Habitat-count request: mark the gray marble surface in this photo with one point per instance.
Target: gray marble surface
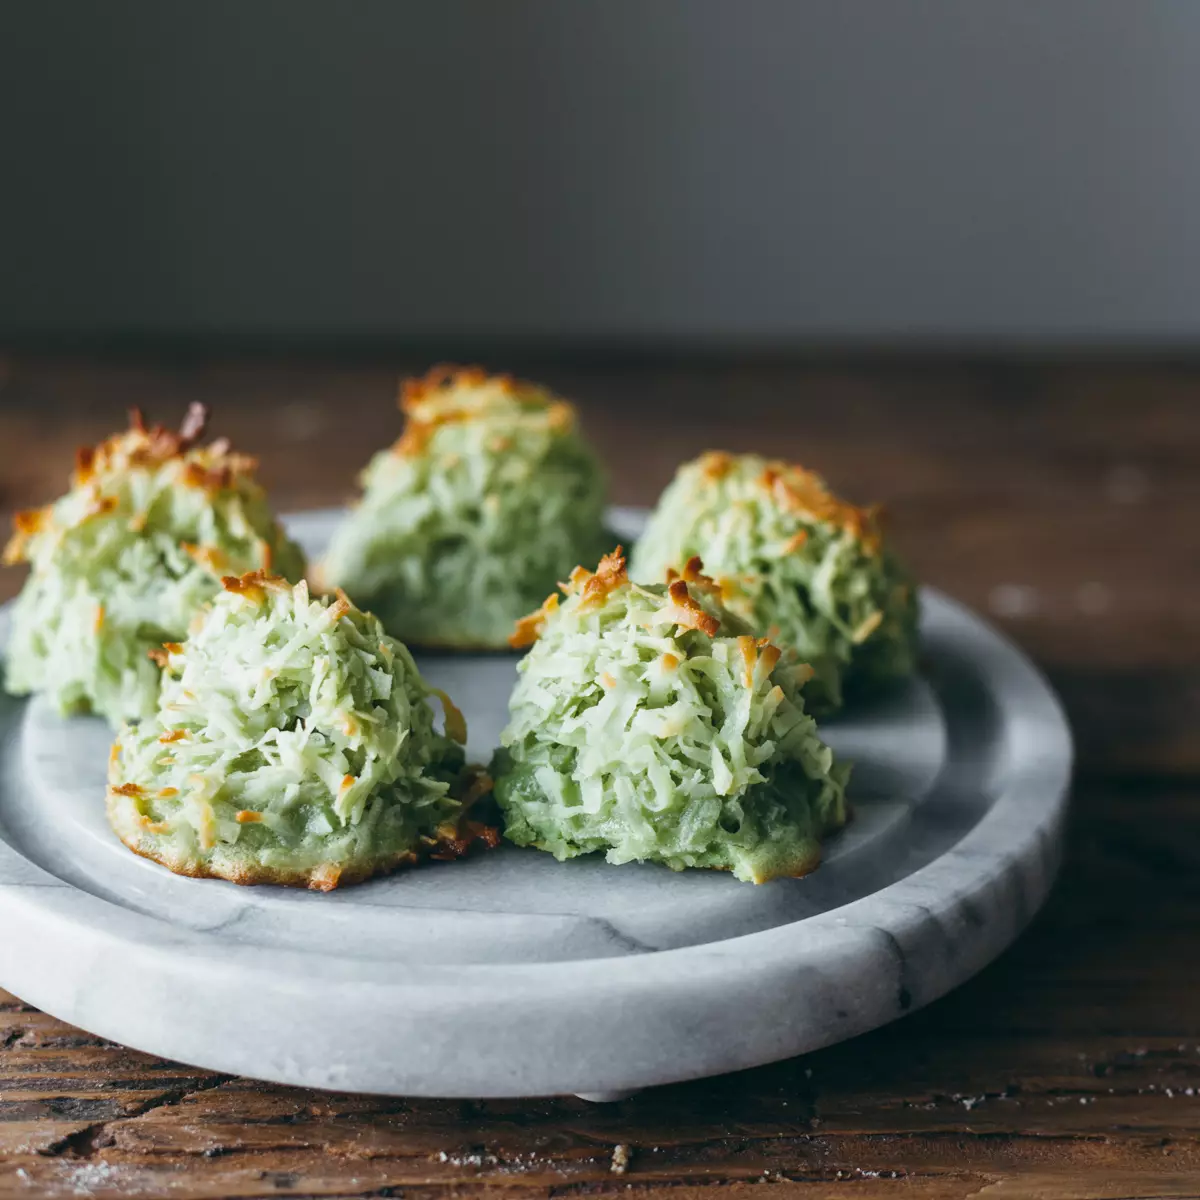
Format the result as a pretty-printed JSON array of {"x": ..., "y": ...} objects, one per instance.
[{"x": 511, "y": 974}]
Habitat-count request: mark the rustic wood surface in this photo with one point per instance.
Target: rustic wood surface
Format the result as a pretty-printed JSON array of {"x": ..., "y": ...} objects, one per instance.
[{"x": 1061, "y": 498}]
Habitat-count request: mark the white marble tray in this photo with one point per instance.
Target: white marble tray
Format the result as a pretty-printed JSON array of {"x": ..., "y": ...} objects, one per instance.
[{"x": 509, "y": 974}]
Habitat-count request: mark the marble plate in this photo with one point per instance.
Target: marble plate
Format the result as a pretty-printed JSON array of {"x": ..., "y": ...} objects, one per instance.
[{"x": 509, "y": 974}]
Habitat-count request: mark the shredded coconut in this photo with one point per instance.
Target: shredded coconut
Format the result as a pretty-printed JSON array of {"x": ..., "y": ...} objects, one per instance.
[
  {"x": 635, "y": 730},
  {"x": 488, "y": 500},
  {"x": 800, "y": 565}
]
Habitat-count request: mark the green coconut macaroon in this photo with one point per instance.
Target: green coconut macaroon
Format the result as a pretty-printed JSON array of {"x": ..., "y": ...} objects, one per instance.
[
  {"x": 488, "y": 499},
  {"x": 800, "y": 565},
  {"x": 648, "y": 722},
  {"x": 123, "y": 561},
  {"x": 294, "y": 743}
]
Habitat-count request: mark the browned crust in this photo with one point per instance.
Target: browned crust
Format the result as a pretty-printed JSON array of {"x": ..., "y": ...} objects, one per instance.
[
  {"x": 428, "y": 403},
  {"x": 796, "y": 489},
  {"x": 753, "y": 651},
  {"x": 213, "y": 468},
  {"x": 797, "y": 870},
  {"x": 324, "y": 877}
]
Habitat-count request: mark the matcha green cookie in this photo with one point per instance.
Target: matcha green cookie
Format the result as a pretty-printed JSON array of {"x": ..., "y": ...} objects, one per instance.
[
  {"x": 122, "y": 562},
  {"x": 488, "y": 499},
  {"x": 294, "y": 743},
  {"x": 648, "y": 722},
  {"x": 801, "y": 566}
]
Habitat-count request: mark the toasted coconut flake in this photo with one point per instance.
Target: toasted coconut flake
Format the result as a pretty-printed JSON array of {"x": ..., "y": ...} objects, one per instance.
[
  {"x": 693, "y": 572},
  {"x": 254, "y": 585},
  {"x": 749, "y": 653},
  {"x": 606, "y": 680},
  {"x": 176, "y": 735},
  {"x": 715, "y": 464},
  {"x": 560, "y": 416},
  {"x": 578, "y": 577},
  {"x": 685, "y": 610},
  {"x": 158, "y": 656},
  {"x": 769, "y": 655},
  {"x": 797, "y": 490},
  {"x": 85, "y": 458},
  {"x": 213, "y": 467},
  {"x": 247, "y": 816},
  {"x": 325, "y": 877},
  {"x": 341, "y": 607},
  {"x": 209, "y": 557},
  {"x": 31, "y": 520},
  {"x": 439, "y": 378},
  {"x": 528, "y": 629},
  {"x": 14, "y": 550},
  {"x": 132, "y": 790},
  {"x": 610, "y": 574},
  {"x": 449, "y": 395},
  {"x": 868, "y": 627},
  {"x": 102, "y": 507}
]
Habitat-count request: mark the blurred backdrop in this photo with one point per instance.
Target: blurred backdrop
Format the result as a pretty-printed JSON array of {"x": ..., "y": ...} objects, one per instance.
[{"x": 692, "y": 172}]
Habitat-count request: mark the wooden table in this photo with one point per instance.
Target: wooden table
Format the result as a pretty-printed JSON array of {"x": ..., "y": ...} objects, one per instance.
[{"x": 1061, "y": 497}]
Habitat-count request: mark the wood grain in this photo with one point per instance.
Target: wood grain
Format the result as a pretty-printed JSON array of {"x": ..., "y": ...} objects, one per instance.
[{"x": 1063, "y": 498}]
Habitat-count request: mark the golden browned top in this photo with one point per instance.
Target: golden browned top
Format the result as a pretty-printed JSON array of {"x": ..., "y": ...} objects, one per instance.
[
  {"x": 211, "y": 468},
  {"x": 594, "y": 587},
  {"x": 591, "y": 586},
  {"x": 448, "y": 395},
  {"x": 795, "y": 489}
]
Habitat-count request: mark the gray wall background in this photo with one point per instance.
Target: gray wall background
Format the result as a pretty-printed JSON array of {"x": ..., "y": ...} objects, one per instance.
[{"x": 751, "y": 171}]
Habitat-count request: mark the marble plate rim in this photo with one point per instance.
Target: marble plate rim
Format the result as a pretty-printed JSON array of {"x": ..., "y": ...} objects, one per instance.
[{"x": 587, "y": 1026}]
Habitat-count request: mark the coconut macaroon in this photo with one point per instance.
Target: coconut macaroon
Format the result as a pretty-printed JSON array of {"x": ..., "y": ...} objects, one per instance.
[
  {"x": 649, "y": 723},
  {"x": 294, "y": 743},
  {"x": 800, "y": 565},
  {"x": 488, "y": 498},
  {"x": 122, "y": 562}
]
